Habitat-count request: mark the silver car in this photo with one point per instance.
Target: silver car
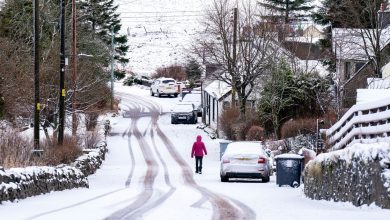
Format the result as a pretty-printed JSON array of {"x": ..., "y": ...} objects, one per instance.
[{"x": 245, "y": 159}]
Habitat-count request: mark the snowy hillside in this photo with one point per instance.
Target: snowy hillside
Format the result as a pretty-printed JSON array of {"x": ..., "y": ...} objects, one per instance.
[{"x": 160, "y": 32}]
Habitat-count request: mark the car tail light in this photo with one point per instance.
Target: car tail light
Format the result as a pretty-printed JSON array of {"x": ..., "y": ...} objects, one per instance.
[
  {"x": 225, "y": 161},
  {"x": 261, "y": 160}
]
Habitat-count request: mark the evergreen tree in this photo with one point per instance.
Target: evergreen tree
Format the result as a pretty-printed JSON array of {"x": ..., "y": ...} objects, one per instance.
[
  {"x": 291, "y": 9},
  {"x": 193, "y": 71},
  {"x": 104, "y": 21},
  {"x": 286, "y": 95}
]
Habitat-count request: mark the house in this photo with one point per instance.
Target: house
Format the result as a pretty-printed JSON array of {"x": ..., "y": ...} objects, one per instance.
[
  {"x": 216, "y": 96},
  {"x": 312, "y": 32},
  {"x": 354, "y": 60}
]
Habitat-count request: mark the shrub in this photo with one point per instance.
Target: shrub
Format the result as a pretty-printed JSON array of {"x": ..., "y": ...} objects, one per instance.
[
  {"x": 15, "y": 151},
  {"x": 119, "y": 74},
  {"x": 176, "y": 72},
  {"x": 64, "y": 154},
  {"x": 297, "y": 127},
  {"x": 242, "y": 127},
  {"x": 228, "y": 118},
  {"x": 235, "y": 128},
  {"x": 131, "y": 80},
  {"x": 255, "y": 133},
  {"x": 91, "y": 139}
]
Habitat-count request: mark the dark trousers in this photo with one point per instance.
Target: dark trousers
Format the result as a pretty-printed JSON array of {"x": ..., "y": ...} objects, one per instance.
[{"x": 198, "y": 163}]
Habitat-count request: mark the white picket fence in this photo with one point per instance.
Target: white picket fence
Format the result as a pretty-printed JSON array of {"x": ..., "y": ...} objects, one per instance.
[{"x": 363, "y": 123}]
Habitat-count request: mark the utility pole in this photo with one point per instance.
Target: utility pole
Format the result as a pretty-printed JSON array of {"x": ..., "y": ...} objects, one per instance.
[
  {"x": 74, "y": 69},
  {"x": 235, "y": 12},
  {"x": 62, "y": 77},
  {"x": 112, "y": 67},
  {"x": 37, "y": 105}
]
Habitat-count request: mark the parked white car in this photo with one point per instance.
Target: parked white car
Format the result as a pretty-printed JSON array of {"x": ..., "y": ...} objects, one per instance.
[
  {"x": 245, "y": 159},
  {"x": 164, "y": 86}
]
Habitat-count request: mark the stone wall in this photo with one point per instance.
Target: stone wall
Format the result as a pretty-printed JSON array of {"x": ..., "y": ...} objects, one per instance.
[
  {"x": 19, "y": 183},
  {"x": 359, "y": 174},
  {"x": 91, "y": 160}
]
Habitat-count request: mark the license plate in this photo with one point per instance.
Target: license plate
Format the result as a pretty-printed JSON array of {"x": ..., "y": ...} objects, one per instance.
[{"x": 181, "y": 117}]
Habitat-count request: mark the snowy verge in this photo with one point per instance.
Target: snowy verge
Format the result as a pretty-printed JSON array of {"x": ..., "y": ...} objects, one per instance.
[
  {"x": 20, "y": 183},
  {"x": 359, "y": 174}
]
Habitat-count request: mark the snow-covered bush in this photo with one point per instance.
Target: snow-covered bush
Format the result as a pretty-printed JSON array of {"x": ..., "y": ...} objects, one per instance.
[{"x": 359, "y": 174}]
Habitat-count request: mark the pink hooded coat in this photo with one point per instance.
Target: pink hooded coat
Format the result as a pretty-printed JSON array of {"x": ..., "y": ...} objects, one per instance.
[{"x": 198, "y": 147}]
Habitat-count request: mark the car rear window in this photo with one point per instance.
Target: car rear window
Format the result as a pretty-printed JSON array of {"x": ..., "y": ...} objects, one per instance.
[
  {"x": 168, "y": 81},
  {"x": 243, "y": 148},
  {"x": 183, "y": 108}
]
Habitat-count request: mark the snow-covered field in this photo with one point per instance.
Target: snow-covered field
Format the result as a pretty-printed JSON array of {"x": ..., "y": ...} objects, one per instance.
[
  {"x": 160, "y": 32},
  {"x": 111, "y": 189}
]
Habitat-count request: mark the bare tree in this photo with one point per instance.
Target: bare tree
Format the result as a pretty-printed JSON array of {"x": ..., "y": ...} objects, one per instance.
[{"x": 255, "y": 48}]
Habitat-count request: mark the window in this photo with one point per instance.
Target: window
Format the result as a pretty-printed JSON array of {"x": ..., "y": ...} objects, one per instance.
[
  {"x": 358, "y": 66},
  {"x": 226, "y": 104},
  {"x": 347, "y": 70},
  {"x": 213, "y": 109}
]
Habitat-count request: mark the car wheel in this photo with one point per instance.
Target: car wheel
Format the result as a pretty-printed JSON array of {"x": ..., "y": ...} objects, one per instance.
[
  {"x": 173, "y": 121},
  {"x": 151, "y": 92},
  {"x": 265, "y": 179},
  {"x": 224, "y": 179},
  {"x": 175, "y": 95}
]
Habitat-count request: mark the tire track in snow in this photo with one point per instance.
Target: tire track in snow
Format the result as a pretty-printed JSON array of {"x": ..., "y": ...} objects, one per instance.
[
  {"x": 128, "y": 132},
  {"x": 223, "y": 208},
  {"x": 142, "y": 203},
  {"x": 76, "y": 204},
  {"x": 142, "y": 210}
]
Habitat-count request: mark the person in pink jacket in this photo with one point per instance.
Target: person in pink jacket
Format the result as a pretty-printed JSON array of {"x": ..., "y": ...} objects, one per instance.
[{"x": 197, "y": 149}]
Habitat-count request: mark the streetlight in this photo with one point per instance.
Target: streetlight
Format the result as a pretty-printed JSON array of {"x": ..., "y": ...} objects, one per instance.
[{"x": 317, "y": 134}]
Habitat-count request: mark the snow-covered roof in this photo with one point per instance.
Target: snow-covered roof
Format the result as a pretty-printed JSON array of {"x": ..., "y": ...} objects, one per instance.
[
  {"x": 304, "y": 39},
  {"x": 368, "y": 95},
  {"x": 218, "y": 89},
  {"x": 386, "y": 71},
  {"x": 310, "y": 66},
  {"x": 348, "y": 43},
  {"x": 378, "y": 83}
]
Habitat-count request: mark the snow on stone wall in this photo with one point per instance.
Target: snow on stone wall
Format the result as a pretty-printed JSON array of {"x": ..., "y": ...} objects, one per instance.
[
  {"x": 19, "y": 183},
  {"x": 359, "y": 174}
]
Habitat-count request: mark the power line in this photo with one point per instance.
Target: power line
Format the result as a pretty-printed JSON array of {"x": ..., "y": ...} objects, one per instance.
[
  {"x": 156, "y": 12},
  {"x": 163, "y": 16}
]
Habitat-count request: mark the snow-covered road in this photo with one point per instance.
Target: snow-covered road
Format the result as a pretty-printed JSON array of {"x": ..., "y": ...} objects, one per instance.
[{"x": 148, "y": 174}]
